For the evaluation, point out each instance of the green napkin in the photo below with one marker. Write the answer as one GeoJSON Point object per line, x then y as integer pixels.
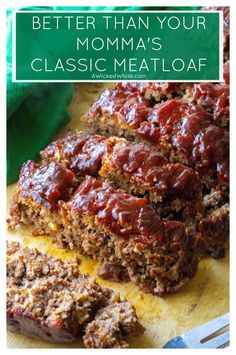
{"type": "Point", "coordinates": [35, 111]}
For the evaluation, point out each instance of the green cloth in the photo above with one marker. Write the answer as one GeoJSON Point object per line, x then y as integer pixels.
{"type": "Point", "coordinates": [35, 111]}
{"type": "Point", "coordinates": [32, 125]}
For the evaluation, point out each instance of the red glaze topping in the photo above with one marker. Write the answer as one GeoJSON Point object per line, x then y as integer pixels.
{"type": "Point", "coordinates": [148, 131]}
{"type": "Point", "coordinates": [80, 152]}
{"type": "Point", "coordinates": [46, 185]}
{"type": "Point", "coordinates": [172, 125]}
{"type": "Point", "coordinates": [188, 129]}
{"type": "Point", "coordinates": [151, 170]}
{"type": "Point", "coordinates": [131, 108]}
{"type": "Point", "coordinates": [123, 214]}
{"type": "Point", "coordinates": [213, 97]}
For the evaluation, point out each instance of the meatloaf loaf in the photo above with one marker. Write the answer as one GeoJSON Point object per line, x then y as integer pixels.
{"type": "Point", "coordinates": [185, 133]}
{"type": "Point", "coordinates": [124, 164]}
{"type": "Point", "coordinates": [122, 231]}
{"type": "Point", "coordinates": [49, 299]}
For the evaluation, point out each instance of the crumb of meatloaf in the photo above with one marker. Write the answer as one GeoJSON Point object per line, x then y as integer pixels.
{"type": "Point", "coordinates": [110, 326]}
{"type": "Point", "coordinates": [129, 166]}
{"type": "Point", "coordinates": [49, 299]}
{"type": "Point", "coordinates": [214, 199]}
{"type": "Point", "coordinates": [182, 131]}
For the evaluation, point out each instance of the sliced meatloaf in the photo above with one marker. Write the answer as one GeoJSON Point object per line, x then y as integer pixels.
{"type": "Point", "coordinates": [182, 131]}
{"type": "Point", "coordinates": [48, 299]}
{"type": "Point", "coordinates": [122, 231]}
{"type": "Point", "coordinates": [212, 97]}
{"type": "Point", "coordinates": [124, 164]}
{"type": "Point", "coordinates": [38, 191]}
{"type": "Point", "coordinates": [206, 95]}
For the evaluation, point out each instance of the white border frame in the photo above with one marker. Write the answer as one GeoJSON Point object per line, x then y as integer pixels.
{"type": "Point", "coordinates": [220, 12]}
{"type": "Point", "coordinates": [232, 289]}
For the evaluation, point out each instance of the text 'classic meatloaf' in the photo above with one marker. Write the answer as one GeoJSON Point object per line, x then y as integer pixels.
{"type": "Point", "coordinates": [49, 299]}
{"type": "Point", "coordinates": [122, 231]}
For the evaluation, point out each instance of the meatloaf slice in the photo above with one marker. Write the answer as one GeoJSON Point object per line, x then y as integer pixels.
{"type": "Point", "coordinates": [78, 151]}
{"type": "Point", "coordinates": [126, 165]}
{"type": "Point", "coordinates": [110, 325]}
{"type": "Point", "coordinates": [182, 131]}
{"type": "Point", "coordinates": [48, 299]}
{"type": "Point", "coordinates": [125, 232]}
{"type": "Point", "coordinates": [37, 194]}
{"type": "Point", "coordinates": [212, 97]}
{"type": "Point", "coordinates": [144, 172]}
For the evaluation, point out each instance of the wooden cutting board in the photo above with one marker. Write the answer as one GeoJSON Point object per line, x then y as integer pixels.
{"type": "Point", "coordinates": [205, 297]}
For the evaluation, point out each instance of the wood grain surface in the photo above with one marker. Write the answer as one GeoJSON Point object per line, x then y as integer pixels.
{"type": "Point", "coordinates": [205, 297]}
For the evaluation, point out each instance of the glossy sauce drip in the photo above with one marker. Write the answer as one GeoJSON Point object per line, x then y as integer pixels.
{"type": "Point", "coordinates": [151, 169]}
{"type": "Point", "coordinates": [82, 153]}
{"type": "Point", "coordinates": [214, 97]}
{"type": "Point", "coordinates": [130, 107]}
{"type": "Point", "coordinates": [123, 214]}
{"type": "Point", "coordinates": [171, 125]}
{"type": "Point", "coordinates": [189, 129]}
{"type": "Point", "coordinates": [45, 184]}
